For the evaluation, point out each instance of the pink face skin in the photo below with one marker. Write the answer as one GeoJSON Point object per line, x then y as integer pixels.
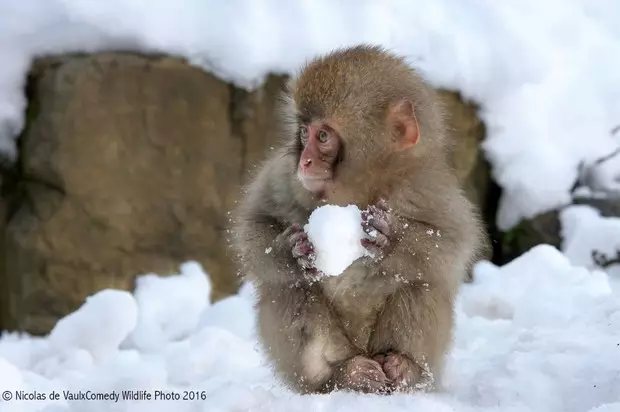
{"type": "Point", "coordinates": [321, 145]}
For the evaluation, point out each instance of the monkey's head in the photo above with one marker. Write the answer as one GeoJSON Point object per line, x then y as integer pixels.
{"type": "Point", "coordinates": [358, 116]}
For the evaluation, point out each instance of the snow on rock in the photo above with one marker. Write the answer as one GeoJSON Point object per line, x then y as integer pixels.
{"type": "Point", "coordinates": [335, 232]}
{"type": "Point", "coordinates": [536, 335]}
{"type": "Point", "coordinates": [170, 306]}
{"type": "Point", "coordinates": [585, 231]}
{"type": "Point", "coordinates": [601, 177]}
{"type": "Point", "coordinates": [544, 73]}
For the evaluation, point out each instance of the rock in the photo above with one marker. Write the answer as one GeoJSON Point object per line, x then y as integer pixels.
{"type": "Point", "coordinates": [130, 164]}
{"type": "Point", "coordinates": [608, 206]}
{"type": "Point", "coordinates": [544, 228]}
{"type": "Point", "coordinates": [468, 159]}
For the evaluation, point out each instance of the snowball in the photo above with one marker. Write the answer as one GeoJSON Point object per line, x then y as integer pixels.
{"type": "Point", "coordinates": [335, 232]}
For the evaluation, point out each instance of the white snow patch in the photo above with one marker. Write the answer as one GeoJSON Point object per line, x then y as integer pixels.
{"type": "Point", "coordinates": [585, 231]}
{"type": "Point", "coordinates": [536, 335]}
{"type": "Point", "coordinates": [336, 232]}
{"type": "Point", "coordinates": [544, 73]}
{"type": "Point", "coordinates": [98, 326]}
{"type": "Point", "coordinates": [170, 306]}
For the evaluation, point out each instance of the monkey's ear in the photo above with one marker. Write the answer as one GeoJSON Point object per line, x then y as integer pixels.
{"type": "Point", "coordinates": [404, 124]}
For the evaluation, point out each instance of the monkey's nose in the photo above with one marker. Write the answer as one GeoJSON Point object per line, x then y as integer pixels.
{"type": "Point", "coordinates": [307, 162]}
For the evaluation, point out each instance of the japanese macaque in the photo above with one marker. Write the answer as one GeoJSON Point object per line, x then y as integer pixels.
{"type": "Point", "coordinates": [360, 127]}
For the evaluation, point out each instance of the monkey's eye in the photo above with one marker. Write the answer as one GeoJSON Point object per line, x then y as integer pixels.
{"type": "Point", "coordinates": [303, 133]}
{"type": "Point", "coordinates": [323, 136]}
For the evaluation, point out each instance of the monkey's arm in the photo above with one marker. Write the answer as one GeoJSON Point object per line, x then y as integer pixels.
{"type": "Point", "coordinates": [413, 332]}
{"type": "Point", "coordinates": [423, 254]}
{"type": "Point", "coordinates": [411, 249]}
{"type": "Point", "coordinates": [412, 335]}
{"type": "Point", "coordinates": [261, 236]}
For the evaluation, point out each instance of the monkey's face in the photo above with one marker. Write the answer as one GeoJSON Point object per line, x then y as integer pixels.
{"type": "Point", "coordinates": [351, 113]}
{"type": "Point", "coordinates": [320, 148]}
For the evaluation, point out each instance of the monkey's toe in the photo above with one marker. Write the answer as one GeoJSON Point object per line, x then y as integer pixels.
{"type": "Point", "coordinates": [402, 371]}
{"type": "Point", "coordinates": [363, 375]}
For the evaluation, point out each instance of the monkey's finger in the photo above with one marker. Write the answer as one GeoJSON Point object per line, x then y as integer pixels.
{"type": "Point", "coordinates": [382, 241]}
{"type": "Point", "coordinates": [372, 247]}
{"type": "Point", "coordinates": [383, 205]}
{"type": "Point", "coordinates": [369, 229]}
{"type": "Point", "coordinates": [291, 229]}
{"type": "Point", "coordinates": [383, 210]}
{"type": "Point", "coordinates": [379, 238]}
{"type": "Point", "coordinates": [284, 237]}
{"type": "Point", "coordinates": [312, 274]}
{"type": "Point", "coordinates": [377, 213]}
{"type": "Point", "coordinates": [379, 358]}
{"type": "Point", "coordinates": [382, 225]}
{"type": "Point", "coordinates": [296, 238]}
{"type": "Point", "coordinates": [302, 248]}
{"type": "Point", "coordinates": [306, 262]}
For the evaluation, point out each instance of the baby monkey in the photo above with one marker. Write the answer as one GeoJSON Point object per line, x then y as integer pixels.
{"type": "Point", "coordinates": [360, 127]}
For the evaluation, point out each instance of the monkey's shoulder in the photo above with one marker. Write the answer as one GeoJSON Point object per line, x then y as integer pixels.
{"type": "Point", "coordinates": [289, 201]}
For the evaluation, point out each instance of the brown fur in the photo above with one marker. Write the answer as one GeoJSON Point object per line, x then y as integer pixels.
{"type": "Point", "coordinates": [403, 304]}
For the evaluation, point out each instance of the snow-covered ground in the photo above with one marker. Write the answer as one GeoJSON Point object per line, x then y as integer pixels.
{"type": "Point", "coordinates": [545, 72]}
{"type": "Point", "coordinates": [538, 334]}
{"type": "Point", "coordinates": [541, 333]}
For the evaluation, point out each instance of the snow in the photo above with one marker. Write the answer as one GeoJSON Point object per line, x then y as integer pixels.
{"type": "Point", "coordinates": [538, 334]}
{"type": "Point", "coordinates": [584, 231]}
{"type": "Point", "coordinates": [161, 320]}
{"type": "Point", "coordinates": [336, 232]}
{"type": "Point", "coordinates": [544, 73]}
{"type": "Point", "coordinates": [99, 326]}
{"type": "Point", "coordinates": [541, 333]}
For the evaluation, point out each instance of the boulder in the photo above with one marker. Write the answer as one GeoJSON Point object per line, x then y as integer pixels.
{"type": "Point", "coordinates": [544, 228]}
{"type": "Point", "coordinates": [130, 164]}
{"type": "Point", "coordinates": [467, 157]}
{"type": "Point", "coordinates": [468, 160]}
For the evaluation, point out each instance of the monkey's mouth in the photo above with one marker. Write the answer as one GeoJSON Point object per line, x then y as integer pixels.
{"type": "Point", "coordinates": [314, 184]}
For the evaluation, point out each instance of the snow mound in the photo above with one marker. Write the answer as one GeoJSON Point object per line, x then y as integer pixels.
{"type": "Point", "coordinates": [536, 335]}
{"type": "Point", "coordinates": [335, 232]}
{"type": "Point", "coordinates": [169, 307]}
{"type": "Point", "coordinates": [99, 325]}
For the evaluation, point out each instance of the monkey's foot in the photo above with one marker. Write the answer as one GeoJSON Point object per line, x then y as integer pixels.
{"type": "Point", "coordinates": [360, 374]}
{"type": "Point", "coordinates": [404, 373]}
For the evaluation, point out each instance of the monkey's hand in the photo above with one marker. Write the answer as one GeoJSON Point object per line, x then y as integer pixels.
{"type": "Point", "coordinates": [295, 241]}
{"type": "Point", "coordinates": [381, 226]}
